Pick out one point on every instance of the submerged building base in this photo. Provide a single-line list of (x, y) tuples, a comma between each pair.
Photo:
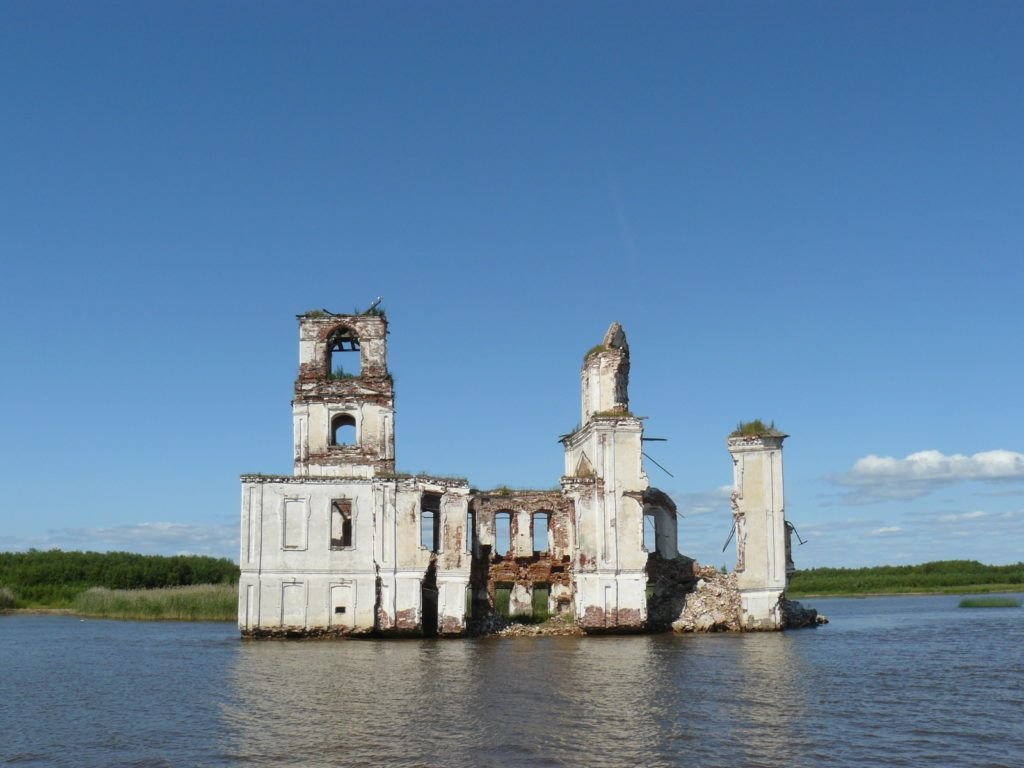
[(347, 546)]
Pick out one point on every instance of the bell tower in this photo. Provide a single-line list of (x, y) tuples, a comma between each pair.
[(605, 478), (343, 412)]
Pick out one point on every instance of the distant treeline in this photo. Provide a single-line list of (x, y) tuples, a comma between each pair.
[(54, 578), (940, 576)]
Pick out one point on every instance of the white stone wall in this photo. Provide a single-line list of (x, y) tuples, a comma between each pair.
[(759, 513), (291, 578)]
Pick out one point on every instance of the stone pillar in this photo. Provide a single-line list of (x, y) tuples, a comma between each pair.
[(759, 516)]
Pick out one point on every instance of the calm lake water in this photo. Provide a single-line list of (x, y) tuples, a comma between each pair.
[(905, 681)]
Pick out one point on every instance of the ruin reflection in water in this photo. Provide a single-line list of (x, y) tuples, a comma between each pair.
[(890, 682), (551, 701)]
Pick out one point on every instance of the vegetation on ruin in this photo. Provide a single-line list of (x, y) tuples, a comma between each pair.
[(613, 414), (943, 576), (339, 374), (990, 602), (755, 428), (199, 602), (595, 350), (315, 313), (53, 579)]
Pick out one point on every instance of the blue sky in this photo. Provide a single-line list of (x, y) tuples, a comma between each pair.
[(806, 212)]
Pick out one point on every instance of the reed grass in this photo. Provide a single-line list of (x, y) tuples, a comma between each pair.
[(990, 602), (198, 602)]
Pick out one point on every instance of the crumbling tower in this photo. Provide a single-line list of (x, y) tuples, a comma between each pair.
[(344, 408), (762, 563), (604, 476)]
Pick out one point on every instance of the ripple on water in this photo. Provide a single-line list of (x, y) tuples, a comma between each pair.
[(890, 682)]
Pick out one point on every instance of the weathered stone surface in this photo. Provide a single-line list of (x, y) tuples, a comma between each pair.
[(347, 546), (712, 606), (795, 616)]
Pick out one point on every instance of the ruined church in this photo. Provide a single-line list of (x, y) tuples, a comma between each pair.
[(346, 545)]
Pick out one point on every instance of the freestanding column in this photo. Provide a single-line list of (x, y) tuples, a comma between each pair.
[(760, 520)]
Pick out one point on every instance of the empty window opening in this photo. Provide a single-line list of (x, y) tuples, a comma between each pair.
[(502, 532), (650, 533), (341, 524), (343, 429), (540, 531), (339, 609), (341, 364), (430, 518), (471, 531), (503, 599), (541, 598)]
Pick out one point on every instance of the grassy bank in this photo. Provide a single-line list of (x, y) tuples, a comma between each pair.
[(941, 577), (199, 602), (54, 579), (990, 602)]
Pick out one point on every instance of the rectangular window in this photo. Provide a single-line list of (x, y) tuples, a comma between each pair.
[(502, 599), (341, 524), (502, 533), (541, 595), (293, 533), (540, 532), (471, 531)]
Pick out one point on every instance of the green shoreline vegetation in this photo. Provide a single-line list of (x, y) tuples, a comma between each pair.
[(195, 588), (990, 602), (120, 585), (940, 577), (197, 602)]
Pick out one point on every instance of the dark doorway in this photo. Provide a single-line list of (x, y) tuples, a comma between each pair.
[(428, 602)]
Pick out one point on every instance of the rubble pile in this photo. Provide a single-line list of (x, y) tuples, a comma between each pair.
[(713, 605)]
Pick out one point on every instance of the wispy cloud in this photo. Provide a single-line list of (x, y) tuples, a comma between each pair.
[(703, 502), (884, 478), (912, 537), (219, 540)]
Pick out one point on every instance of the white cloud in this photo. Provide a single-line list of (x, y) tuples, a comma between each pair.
[(976, 514), (884, 530), (881, 478)]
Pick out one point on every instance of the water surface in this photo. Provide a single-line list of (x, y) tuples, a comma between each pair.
[(902, 681)]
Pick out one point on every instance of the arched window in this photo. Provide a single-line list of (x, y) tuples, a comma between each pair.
[(650, 532), (430, 522), (343, 429), (540, 531), (339, 364), (502, 532)]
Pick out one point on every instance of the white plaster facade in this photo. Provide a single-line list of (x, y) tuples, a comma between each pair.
[(345, 545), (762, 563)]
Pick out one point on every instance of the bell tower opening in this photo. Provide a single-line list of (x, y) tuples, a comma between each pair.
[(343, 429), (341, 363)]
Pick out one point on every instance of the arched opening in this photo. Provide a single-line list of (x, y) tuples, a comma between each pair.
[(650, 532), (343, 429), (341, 363), (430, 522), (502, 532), (540, 531)]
